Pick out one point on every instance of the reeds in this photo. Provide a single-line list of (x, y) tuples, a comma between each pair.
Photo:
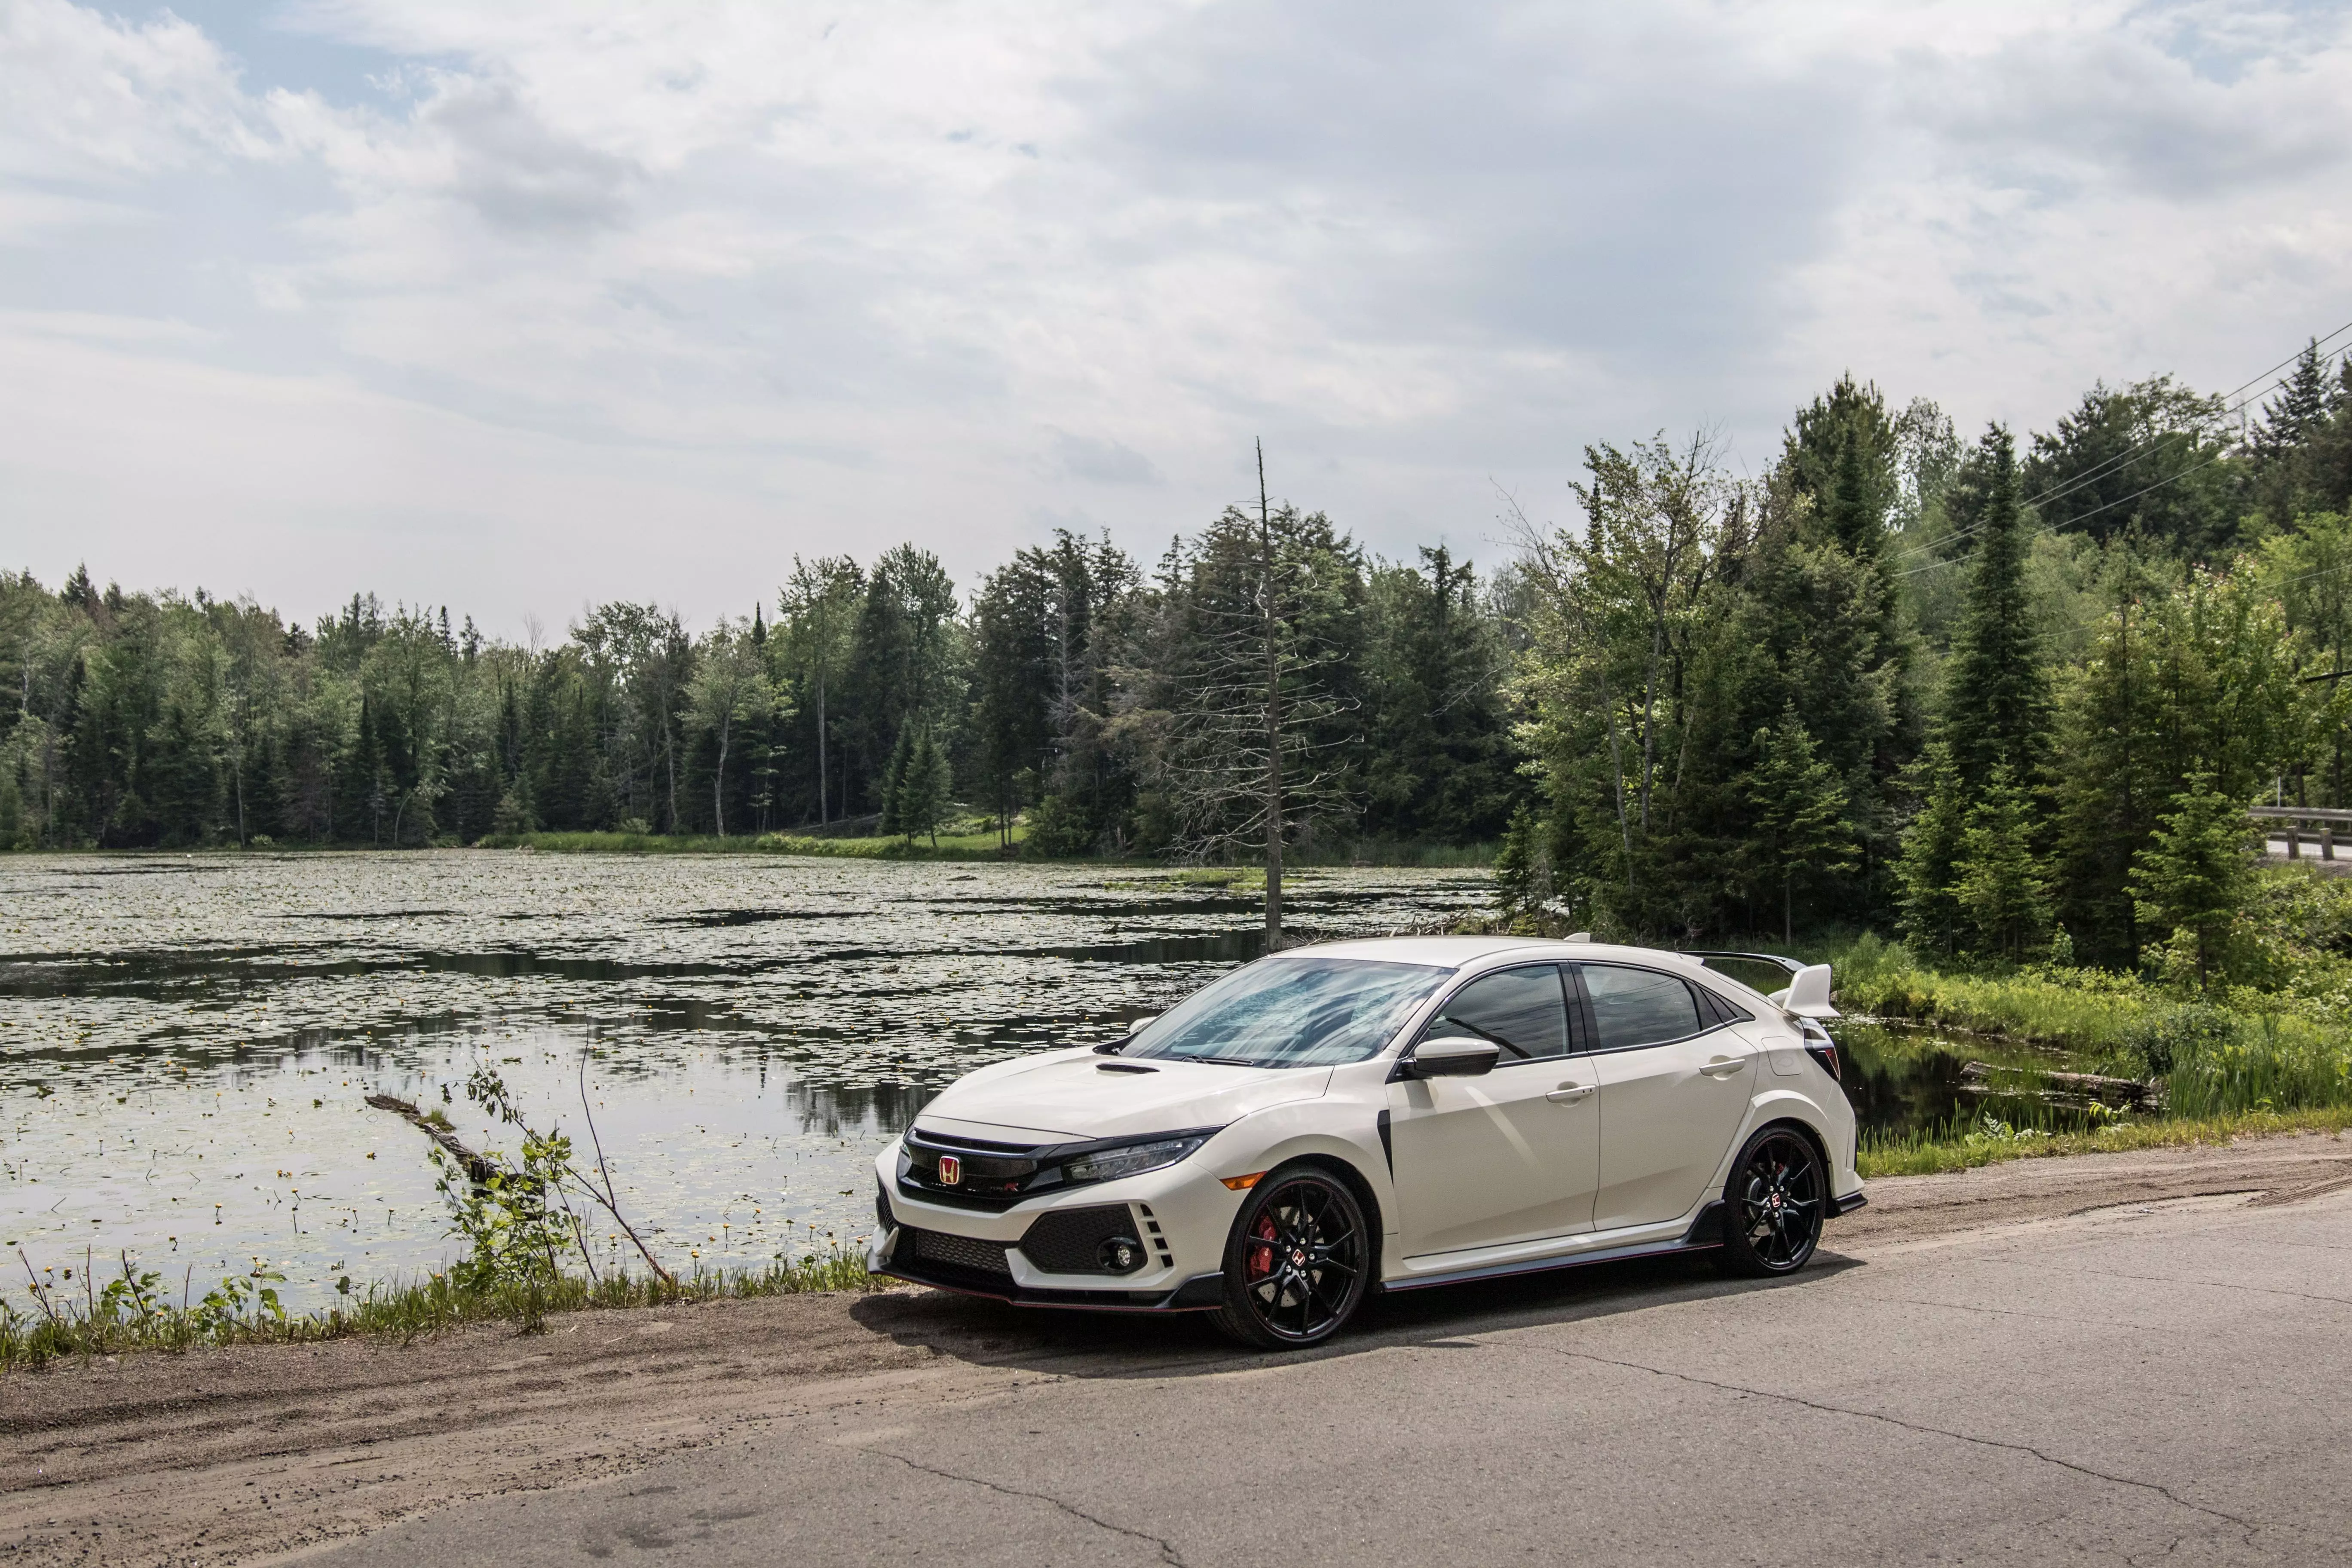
[(2266, 1063), (2094, 1010)]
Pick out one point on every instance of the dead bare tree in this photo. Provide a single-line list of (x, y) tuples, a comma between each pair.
[(1250, 716)]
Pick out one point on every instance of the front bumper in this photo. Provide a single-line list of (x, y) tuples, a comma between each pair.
[(1047, 1251), (1200, 1293)]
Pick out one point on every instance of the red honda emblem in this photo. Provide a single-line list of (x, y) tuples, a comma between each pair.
[(951, 1170)]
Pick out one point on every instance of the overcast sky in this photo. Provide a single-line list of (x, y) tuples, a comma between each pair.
[(521, 305)]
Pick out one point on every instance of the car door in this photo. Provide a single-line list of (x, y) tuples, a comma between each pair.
[(1674, 1087), (1511, 1155)]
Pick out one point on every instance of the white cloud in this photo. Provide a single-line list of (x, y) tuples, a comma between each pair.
[(94, 97), (747, 279)]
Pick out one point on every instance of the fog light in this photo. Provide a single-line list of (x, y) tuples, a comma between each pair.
[(1121, 1255)]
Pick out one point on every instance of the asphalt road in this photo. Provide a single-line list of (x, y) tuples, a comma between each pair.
[(2157, 1383)]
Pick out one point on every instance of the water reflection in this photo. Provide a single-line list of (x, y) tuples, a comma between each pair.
[(1906, 1081)]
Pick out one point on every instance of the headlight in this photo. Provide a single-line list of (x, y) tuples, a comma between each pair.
[(1132, 1160)]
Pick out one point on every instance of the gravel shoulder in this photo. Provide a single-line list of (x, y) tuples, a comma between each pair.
[(237, 1455)]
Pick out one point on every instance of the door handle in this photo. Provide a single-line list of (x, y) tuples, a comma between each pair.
[(1722, 1070), (1569, 1093)]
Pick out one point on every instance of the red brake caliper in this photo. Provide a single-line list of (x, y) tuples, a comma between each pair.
[(1261, 1247)]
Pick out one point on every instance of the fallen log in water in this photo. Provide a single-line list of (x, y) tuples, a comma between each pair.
[(2074, 1090), (477, 1169)]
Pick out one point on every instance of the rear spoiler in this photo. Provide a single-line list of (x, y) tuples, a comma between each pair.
[(1806, 994)]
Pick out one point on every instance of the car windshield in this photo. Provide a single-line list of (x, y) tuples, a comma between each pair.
[(1291, 1013)]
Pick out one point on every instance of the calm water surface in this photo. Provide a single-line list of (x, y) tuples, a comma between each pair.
[(186, 1043)]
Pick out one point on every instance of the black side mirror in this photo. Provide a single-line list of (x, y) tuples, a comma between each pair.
[(1452, 1057)]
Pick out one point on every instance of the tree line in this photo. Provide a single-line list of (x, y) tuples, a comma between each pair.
[(1074, 700), (2012, 697), (2015, 700)]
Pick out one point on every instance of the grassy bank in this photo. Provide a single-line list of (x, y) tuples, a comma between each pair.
[(2233, 1061), (977, 845), (132, 1314), (1926, 1154)]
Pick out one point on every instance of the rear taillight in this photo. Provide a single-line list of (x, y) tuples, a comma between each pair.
[(1823, 1049)]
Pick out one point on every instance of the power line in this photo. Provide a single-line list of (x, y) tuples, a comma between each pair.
[(2144, 448), (2232, 404)]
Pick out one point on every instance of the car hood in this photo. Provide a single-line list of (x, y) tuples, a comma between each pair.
[(1067, 1094)]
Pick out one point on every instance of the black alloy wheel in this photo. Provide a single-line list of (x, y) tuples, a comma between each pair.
[(1774, 1203), (1297, 1262)]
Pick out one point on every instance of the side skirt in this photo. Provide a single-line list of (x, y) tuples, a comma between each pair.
[(1546, 1265)]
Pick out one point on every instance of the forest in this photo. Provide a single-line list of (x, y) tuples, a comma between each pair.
[(2011, 696)]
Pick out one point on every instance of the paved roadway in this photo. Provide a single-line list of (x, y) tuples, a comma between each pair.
[(2166, 1382), (2275, 848)]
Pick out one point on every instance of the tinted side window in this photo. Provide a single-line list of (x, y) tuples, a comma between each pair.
[(1714, 1009), (1524, 1011), (1638, 1006)]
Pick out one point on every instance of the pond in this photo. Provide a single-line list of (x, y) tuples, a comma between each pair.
[(186, 1043)]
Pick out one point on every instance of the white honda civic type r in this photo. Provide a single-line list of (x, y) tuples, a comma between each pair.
[(1385, 1115)]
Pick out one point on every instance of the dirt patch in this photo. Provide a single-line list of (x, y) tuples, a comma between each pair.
[(232, 1455)]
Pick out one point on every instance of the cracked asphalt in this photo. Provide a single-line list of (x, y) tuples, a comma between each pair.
[(2156, 1382)]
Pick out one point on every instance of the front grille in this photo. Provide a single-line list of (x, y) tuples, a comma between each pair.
[(1070, 1241), (954, 1252), (992, 1174)]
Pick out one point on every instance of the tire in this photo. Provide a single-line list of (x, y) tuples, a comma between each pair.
[(1297, 1262), (1773, 1203)]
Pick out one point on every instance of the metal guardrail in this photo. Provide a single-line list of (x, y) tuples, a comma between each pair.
[(2328, 819)]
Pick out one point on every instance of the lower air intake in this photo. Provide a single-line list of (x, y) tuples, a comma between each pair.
[(959, 1252)]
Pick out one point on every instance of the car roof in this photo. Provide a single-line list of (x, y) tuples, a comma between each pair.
[(1466, 952), (1455, 951)]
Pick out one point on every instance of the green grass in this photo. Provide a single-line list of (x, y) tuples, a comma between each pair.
[(1953, 1149), (2088, 1010), (126, 1316)]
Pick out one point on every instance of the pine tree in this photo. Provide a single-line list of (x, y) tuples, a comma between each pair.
[(1800, 809), (1997, 884), (1931, 849), (2196, 875), (1997, 697), (1523, 875), (1436, 761), (2300, 403), (925, 785), (894, 778), (1842, 454)]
